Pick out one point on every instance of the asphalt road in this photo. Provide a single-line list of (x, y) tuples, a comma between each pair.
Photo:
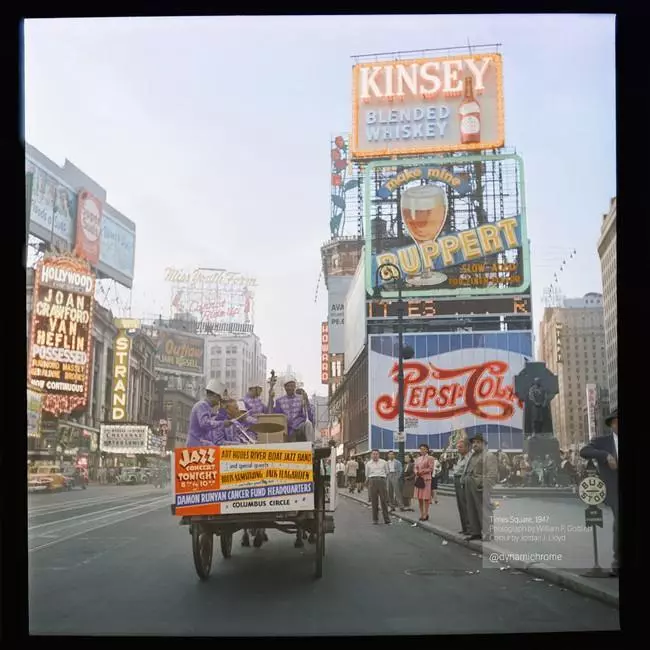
[(124, 566)]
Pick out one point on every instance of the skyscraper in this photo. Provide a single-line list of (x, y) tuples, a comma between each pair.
[(607, 254), (572, 343)]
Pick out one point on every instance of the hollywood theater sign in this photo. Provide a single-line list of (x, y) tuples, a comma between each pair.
[(427, 105), (457, 381)]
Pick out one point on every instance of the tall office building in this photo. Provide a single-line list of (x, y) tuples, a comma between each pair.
[(236, 361), (607, 254), (572, 343)]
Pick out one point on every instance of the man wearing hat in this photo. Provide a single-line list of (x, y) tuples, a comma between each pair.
[(479, 477), (604, 450), (254, 404), (300, 417), (206, 427)]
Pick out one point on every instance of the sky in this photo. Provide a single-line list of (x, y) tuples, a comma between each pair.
[(212, 135)]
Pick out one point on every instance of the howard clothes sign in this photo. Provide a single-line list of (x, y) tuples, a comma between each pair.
[(455, 381)]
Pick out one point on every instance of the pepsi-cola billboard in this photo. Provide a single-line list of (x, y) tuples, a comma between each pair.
[(458, 380)]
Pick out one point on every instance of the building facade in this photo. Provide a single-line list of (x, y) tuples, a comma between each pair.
[(572, 344), (601, 411), (236, 361), (607, 254), (177, 407)]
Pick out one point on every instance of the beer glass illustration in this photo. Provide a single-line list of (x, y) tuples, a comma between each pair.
[(424, 210)]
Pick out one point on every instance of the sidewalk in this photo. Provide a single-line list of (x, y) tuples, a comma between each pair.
[(444, 522)]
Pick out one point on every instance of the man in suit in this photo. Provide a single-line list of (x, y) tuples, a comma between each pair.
[(479, 478), (459, 471), (394, 477), (604, 450)]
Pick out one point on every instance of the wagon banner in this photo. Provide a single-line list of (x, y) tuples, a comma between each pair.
[(239, 479)]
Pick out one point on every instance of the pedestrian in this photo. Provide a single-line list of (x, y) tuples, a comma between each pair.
[(377, 475), (461, 497), (435, 476), (480, 477), (340, 473), (408, 486), (361, 475), (423, 474), (604, 450), (394, 479), (351, 469)]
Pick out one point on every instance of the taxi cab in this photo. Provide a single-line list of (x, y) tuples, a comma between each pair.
[(46, 478)]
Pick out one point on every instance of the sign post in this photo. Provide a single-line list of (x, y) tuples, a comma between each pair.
[(592, 492)]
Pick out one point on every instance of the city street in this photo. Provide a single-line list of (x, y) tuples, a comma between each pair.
[(112, 560)]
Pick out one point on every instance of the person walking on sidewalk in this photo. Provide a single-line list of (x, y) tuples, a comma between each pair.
[(340, 474), (351, 469), (459, 475), (435, 475), (408, 486), (377, 475), (394, 479), (423, 475), (604, 450), (481, 475)]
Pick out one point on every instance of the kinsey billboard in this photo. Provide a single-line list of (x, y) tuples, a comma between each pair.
[(337, 289), (61, 335), (452, 252), (427, 105), (179, 352), (455, 381)]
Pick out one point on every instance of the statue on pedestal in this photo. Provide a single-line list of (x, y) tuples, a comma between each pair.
[(537, 412)]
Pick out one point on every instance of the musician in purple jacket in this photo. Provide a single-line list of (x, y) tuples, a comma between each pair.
[(254, 404), (207, 427), (300, 417)]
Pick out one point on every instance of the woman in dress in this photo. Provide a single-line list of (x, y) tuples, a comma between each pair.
[(424, 470), (409, 479)]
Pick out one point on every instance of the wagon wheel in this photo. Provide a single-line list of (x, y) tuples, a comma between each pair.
[(202, 545), (226, 545)]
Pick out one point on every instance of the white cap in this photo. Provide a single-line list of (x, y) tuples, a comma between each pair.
[(288, 379), (215, 386)]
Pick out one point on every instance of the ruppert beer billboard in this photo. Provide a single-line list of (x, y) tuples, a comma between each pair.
[(455, 381), (430, 105), (452, 253), (61, 341)]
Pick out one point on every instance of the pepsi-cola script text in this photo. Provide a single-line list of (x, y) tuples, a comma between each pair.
[(484, 389)]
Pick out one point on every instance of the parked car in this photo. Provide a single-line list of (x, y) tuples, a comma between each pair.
[(46, 479)]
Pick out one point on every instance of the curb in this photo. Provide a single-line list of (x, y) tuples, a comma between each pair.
[(574, 582)]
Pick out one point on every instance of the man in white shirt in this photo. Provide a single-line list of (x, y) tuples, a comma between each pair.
[(394, 476), (377, 475), (351, 469), (340, 474)]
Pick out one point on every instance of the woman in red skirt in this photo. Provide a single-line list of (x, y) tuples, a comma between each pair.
[(424, 471)]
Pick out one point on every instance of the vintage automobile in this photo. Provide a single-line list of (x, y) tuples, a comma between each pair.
[(47, 479)]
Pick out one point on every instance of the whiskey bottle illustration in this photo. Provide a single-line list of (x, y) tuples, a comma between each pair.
[(470, 115)]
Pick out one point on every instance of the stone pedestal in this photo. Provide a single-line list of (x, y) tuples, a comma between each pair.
[(538, 448)]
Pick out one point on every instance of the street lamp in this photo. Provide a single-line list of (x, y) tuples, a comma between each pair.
[(403, 352)]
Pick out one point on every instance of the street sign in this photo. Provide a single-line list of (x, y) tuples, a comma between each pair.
[(592, 490), (400, 436), (594, 517)]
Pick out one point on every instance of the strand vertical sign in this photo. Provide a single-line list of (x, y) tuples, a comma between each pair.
[(324, 353), (120, 383)]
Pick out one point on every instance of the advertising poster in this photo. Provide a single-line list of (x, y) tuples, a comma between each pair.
[(244, 478), (51, 209), (61, 336), (337, 289), (179, 352), (592, 399), (455, 381), (428, 105), (124, 438), (89, 227), (117, 246), (34, 410), (354, 330), (471, 248)]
